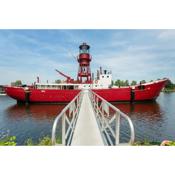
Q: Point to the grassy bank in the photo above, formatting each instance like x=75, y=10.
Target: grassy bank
x=44, y=141
x=147, y=143
x=8, y=141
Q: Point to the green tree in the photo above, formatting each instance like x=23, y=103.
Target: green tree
x=17, y=83
x=121, y=83
x=169, y=85
x=143, y=81
x=117, y=83
x=126, y=83
x=133, y=83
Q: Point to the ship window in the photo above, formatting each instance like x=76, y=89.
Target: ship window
x=141, y=87
x=70, y=87
x=107, y=76
x=64, y=87
x=102, y=76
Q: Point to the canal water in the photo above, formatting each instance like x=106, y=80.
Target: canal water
x=27, y=121
x=153, y=121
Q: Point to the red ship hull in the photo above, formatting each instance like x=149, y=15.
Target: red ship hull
x=149, y=91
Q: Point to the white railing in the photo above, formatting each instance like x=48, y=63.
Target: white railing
x=67, y=119
x=109, y=120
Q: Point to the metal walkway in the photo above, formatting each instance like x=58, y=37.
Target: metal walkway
x=87, y=131
x=90, y=120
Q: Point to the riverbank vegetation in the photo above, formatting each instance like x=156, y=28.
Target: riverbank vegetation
x=169, y=87
x=148, y=143
x=8, y=141
x=46, y=141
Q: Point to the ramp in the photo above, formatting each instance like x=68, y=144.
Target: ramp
x=87, y=131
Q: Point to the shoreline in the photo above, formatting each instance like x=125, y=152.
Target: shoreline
x=168, y=90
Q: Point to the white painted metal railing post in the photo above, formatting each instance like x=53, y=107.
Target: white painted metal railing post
x=54, y=131
x=63, y=129
x=94, y=101
x=117, y=129
x=97, y=107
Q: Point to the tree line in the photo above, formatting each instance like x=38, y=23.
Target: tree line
x=169, y=84
x=127, y=83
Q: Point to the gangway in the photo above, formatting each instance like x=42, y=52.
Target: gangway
x=90, y=120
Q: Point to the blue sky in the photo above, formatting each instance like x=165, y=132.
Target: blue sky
x=130, y=54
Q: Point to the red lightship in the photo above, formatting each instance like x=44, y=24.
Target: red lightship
x=65, y=91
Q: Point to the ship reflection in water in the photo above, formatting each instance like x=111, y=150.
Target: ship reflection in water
x=36, y=111
x=150, y=110
x=32, y=121
x=153, y=121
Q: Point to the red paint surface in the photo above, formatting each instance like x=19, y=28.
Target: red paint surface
x=150, y=92
x=118, y=94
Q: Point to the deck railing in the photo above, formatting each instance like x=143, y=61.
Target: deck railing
x=109, y=120
x=67, y=120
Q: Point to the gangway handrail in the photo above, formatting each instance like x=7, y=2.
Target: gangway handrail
x=102, y=110
x=69, y=116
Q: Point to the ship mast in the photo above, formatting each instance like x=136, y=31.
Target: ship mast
x=84, y=59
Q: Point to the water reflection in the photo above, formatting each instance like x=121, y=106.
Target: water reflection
x=28, y=121
x=37, y=111
x=150, y=110
x=148, y=118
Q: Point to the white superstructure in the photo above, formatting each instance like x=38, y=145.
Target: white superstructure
x=102, y=81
